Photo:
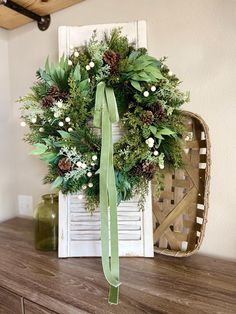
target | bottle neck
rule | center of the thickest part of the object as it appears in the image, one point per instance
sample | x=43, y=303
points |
x=50, y=198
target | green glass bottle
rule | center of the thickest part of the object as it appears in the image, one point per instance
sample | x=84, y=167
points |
x=46, y=223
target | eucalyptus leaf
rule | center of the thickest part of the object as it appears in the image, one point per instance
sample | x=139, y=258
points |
x=77, y=74
x=64, y=134
x=47, y=65
x=166, y=131
x=39, y=149
x=136, y=85
x=134, y=55
x=84, y=84
x=159, y=133
x=154, y=71
x=58, y=144
x=47, y=141
x=153, y=129
x=48, y=156
x=57, y=183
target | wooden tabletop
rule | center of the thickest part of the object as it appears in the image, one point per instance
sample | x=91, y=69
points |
x=196, y=284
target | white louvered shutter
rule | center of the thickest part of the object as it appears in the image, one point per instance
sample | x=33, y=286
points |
x=79, y=231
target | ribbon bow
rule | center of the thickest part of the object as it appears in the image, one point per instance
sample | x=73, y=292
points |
x=106, y=113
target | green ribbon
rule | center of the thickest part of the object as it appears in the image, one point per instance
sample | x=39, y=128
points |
x=105, y=114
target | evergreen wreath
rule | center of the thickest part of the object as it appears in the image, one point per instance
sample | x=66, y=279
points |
x=60, y=108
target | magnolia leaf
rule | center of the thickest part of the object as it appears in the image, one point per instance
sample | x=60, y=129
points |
x=57, y=183
x=154, y=61
x=63, y=61
x=154, y=71
x=166, y=131
x=44, y=76
x=48, y=156
x=58, y=144
x=136, y=85
x=84, y=84
x=144, y=76
x=39, y=149
x=158, y=133
x=153, y=129
x=159, y=136
x=47, y=141
x=64, y=134
x=77, y=74
x=47, y=65
x=134, y=55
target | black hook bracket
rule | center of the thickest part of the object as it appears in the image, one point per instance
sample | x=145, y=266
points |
x=43, y=21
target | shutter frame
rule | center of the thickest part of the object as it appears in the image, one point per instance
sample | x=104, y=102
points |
x=68, y=245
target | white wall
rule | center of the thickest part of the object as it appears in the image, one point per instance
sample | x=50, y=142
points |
x=199, y=38
x=7, y=143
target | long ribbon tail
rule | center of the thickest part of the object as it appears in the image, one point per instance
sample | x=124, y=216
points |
x=105, y=114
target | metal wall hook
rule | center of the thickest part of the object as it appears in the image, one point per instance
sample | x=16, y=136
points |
x=42, y=21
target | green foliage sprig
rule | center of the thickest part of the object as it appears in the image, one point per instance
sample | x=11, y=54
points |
x=59, y=113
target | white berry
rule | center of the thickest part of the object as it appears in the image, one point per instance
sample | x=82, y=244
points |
x=92, y=164
x=59, y=104
x=79, y=164
x=90, y=185
x=70, y=62
x=155, y=153
x=83, y=166
x=153, y=88
x=146, y=93
x=91, y=64
x=161, y=166
x=150, y=142
x=87, y=67
x=76, y=54
x=84, y=187
x=89, y=174
x=60, y=123
x=34, y=120
x=56, y=115
x=67, y=119
x=41, y=129
x=94, y=158
x=70, y=130
x=23, y=124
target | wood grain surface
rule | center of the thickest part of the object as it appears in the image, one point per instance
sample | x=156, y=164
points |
x=197, y=284
x=9, y=302
x=33, y=308
x=10, y=19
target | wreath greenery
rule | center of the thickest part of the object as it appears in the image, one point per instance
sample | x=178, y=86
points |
x=60, y=108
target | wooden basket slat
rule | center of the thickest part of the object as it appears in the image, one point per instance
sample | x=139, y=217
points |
x=180, y=212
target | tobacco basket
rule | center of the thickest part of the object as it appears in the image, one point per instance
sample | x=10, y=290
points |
x=180, y=212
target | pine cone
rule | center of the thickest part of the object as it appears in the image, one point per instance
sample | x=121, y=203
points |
x=158, y=111
x=137, y=170
x=56, y=93
x=149, y=170
x=112, y=59
x=147, y=117
x=53, y=91
x=64, y=165
x=47, y=101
